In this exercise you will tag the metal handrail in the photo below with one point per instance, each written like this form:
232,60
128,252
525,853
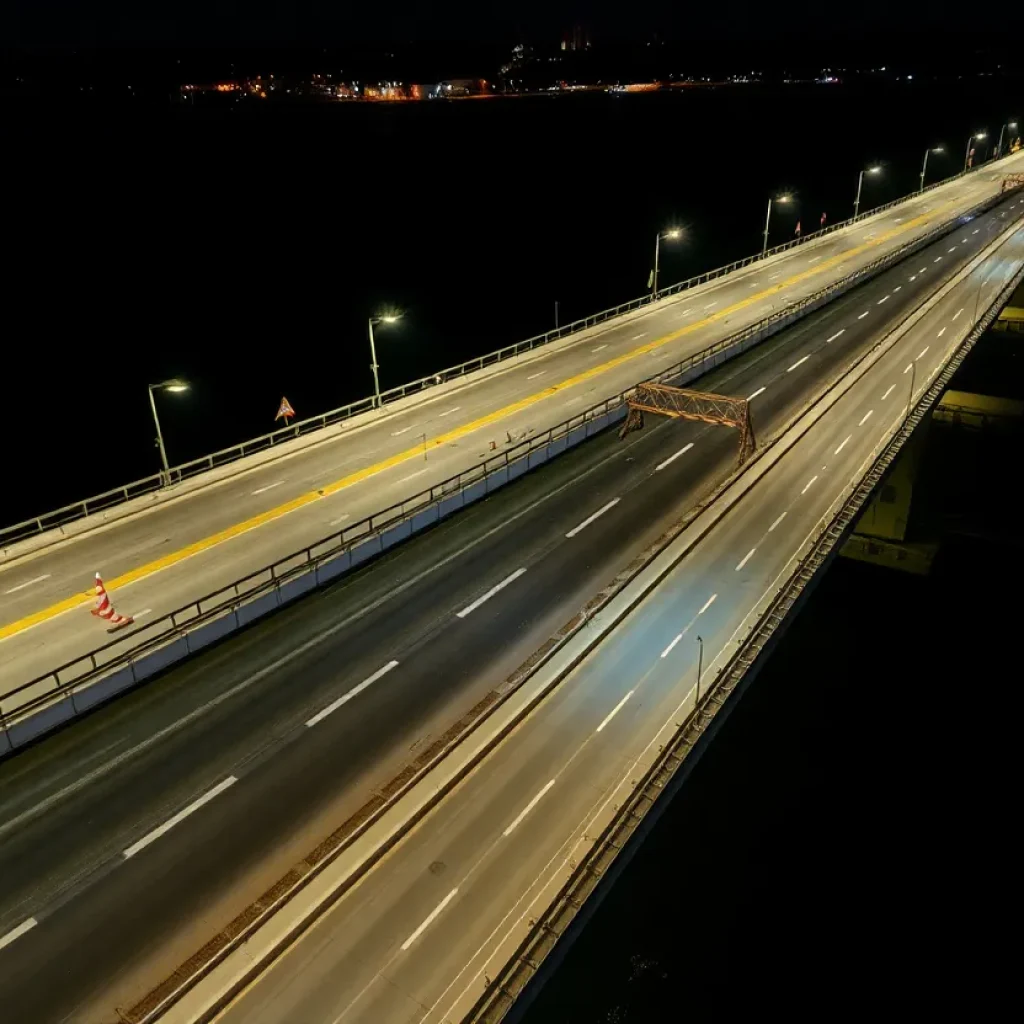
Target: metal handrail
186,470
225,599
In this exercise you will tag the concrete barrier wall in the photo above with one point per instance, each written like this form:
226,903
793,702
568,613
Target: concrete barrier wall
210,632
109,686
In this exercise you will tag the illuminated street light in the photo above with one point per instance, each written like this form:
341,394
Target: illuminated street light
381,318
785,198
176,387
924,166
671,235
877,169
1009,124
967,155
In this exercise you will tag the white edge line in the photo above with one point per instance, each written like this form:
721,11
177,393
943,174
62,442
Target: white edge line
354,692
533,803
490,593
430,918
180,816
16,933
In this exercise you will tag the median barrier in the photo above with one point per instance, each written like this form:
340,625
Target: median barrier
106,688
297,586
249,605
333,568
46,719
210,632
159,659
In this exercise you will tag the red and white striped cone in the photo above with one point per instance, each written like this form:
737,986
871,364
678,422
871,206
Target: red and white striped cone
105,610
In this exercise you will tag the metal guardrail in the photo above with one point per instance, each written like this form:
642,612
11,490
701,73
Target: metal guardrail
132,645
604,860
119,495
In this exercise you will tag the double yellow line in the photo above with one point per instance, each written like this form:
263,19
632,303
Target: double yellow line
76,600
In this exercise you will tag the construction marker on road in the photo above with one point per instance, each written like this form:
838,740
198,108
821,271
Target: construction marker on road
105,609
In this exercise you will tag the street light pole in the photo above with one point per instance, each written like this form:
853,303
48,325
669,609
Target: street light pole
924,166
373,366
700,667
159,438
670,234
860,184
910,397
967,154
657,257
383,318
767,220
999,148
176,386
778,199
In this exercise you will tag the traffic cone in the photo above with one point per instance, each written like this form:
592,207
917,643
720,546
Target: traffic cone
105,610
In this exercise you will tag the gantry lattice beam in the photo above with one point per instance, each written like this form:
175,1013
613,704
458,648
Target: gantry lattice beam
691,405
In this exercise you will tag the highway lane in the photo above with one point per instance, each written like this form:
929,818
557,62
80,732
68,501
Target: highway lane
66,867
417,932
143,555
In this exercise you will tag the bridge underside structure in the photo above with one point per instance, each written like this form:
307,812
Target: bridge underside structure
679,403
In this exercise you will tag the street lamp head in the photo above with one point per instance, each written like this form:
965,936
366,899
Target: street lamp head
938,149
673,233
1011,124
981,135
786,197
390,318
175,385
877,169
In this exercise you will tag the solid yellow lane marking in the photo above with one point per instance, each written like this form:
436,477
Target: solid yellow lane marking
77,600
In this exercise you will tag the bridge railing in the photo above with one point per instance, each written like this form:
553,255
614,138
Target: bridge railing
119,495
280,577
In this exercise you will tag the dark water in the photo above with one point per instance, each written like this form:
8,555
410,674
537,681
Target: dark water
243,247
845,850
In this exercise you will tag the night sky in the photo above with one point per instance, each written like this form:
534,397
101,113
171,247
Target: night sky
290,22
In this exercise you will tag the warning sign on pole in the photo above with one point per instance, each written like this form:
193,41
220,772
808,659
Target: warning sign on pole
285,410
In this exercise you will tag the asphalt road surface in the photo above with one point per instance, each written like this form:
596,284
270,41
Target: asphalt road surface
106,926
173,553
